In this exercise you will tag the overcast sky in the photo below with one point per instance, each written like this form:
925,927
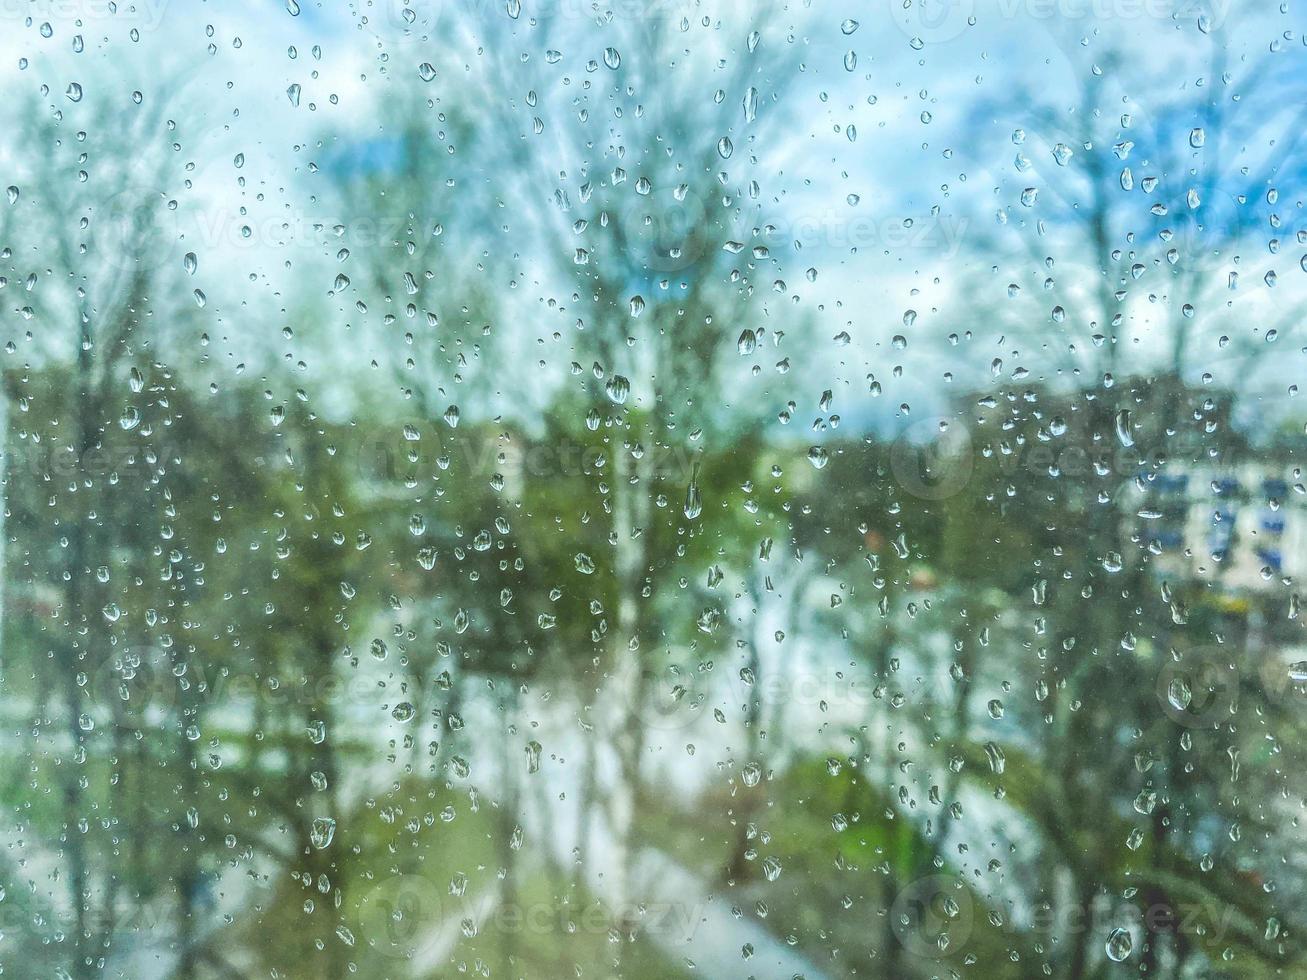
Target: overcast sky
889,170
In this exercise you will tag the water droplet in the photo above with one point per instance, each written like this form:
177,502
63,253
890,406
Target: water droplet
1123,433
322,832
403,712
751,104
1179,694
618,388
693,501
997,758
1119,945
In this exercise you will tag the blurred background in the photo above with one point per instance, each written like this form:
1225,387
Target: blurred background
664,489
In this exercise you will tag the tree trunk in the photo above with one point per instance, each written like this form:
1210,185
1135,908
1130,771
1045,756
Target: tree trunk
626,685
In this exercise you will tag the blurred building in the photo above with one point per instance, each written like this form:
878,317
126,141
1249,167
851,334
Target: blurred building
1243,526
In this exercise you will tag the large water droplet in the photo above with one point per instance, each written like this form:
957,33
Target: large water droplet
1119,945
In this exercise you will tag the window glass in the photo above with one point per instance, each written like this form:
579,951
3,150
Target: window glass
652,489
